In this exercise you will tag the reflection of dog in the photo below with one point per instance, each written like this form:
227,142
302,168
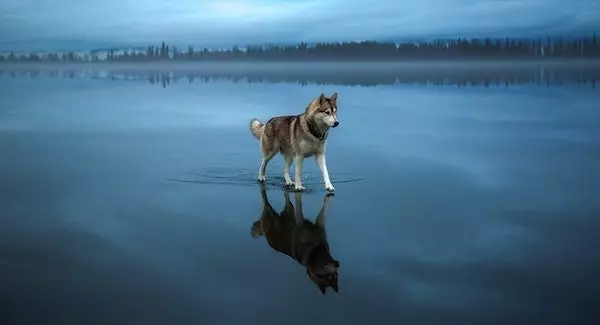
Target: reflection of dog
306,242
297,137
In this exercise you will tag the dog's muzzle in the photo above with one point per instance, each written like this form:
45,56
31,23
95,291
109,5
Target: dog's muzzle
336,123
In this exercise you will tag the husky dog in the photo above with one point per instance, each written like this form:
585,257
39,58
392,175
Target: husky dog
306,242
297,137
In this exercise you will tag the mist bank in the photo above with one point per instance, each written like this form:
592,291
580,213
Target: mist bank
472,73
321,65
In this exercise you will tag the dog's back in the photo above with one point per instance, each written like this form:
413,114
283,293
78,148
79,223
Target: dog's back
275,134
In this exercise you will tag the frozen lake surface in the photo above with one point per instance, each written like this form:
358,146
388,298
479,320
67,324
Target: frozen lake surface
465,194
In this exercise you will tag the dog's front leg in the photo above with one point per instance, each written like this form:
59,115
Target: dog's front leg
322,217
289,207
298,213
288,158
321,161
298,159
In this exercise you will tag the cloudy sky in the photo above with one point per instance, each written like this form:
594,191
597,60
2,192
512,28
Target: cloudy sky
38,24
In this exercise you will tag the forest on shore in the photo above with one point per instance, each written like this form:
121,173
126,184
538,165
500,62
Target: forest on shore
460,48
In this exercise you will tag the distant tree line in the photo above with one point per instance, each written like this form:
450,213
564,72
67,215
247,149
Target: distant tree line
461,48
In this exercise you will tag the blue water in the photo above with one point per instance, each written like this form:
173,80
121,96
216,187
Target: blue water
127,200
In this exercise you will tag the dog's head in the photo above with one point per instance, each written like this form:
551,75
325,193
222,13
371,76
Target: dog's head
324,110
325,275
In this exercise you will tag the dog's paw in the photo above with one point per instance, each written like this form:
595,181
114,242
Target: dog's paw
299,188
329,187
289,184
261,178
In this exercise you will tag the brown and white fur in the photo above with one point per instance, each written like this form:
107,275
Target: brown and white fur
304,241
297,137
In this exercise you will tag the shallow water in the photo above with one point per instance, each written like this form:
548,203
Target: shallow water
463,196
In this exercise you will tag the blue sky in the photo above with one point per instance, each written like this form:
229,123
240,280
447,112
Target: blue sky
32,24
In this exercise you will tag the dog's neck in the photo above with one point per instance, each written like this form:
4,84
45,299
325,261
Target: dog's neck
318,130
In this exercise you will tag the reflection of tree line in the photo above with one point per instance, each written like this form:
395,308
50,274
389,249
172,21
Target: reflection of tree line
551,76
585,47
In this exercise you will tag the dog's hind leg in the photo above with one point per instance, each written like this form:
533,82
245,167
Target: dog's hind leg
263,167
258,227
265,199
269,151
288,210
286,169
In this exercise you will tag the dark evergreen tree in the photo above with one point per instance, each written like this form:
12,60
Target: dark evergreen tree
150,52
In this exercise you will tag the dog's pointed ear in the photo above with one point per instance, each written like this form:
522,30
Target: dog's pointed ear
321,98
322,288
335,286
334,97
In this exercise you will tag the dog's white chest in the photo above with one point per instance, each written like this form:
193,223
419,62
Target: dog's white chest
309,148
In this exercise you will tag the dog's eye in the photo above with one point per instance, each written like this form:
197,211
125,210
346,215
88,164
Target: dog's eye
327,112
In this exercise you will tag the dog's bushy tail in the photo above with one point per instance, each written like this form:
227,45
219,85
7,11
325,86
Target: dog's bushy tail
256,128
257,229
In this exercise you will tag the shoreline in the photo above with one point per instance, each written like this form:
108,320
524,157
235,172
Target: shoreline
319,65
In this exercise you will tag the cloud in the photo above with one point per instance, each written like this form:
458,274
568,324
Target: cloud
245,11
214,22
